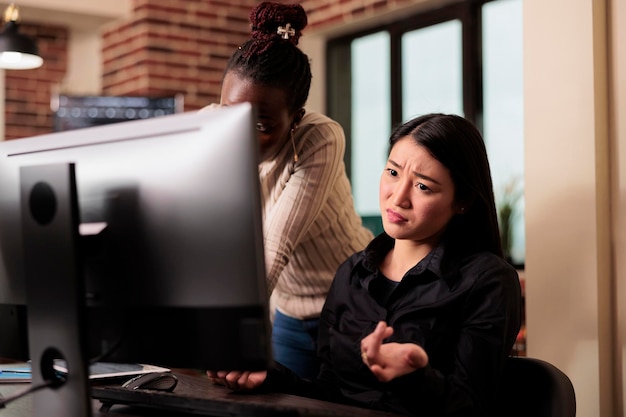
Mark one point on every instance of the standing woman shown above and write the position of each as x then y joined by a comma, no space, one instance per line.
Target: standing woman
310,224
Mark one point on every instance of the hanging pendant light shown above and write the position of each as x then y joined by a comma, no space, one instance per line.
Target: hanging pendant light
17,51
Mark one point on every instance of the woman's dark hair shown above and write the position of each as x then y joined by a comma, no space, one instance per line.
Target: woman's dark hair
271,56
459,146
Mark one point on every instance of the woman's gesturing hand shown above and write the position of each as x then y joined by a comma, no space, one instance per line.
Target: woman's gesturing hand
390,360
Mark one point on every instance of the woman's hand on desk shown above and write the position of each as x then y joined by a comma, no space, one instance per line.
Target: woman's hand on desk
390,360
238,380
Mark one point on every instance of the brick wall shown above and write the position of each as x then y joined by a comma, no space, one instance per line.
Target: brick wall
168,47
326,13
28,92
165,48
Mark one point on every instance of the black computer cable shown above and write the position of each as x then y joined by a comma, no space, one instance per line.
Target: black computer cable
51,378
57,381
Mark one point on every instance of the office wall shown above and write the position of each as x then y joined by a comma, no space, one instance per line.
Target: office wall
573,189
617,132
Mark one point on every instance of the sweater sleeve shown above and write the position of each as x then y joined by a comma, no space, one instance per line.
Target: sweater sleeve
321,149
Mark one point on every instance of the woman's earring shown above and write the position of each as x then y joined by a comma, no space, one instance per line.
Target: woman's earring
293,143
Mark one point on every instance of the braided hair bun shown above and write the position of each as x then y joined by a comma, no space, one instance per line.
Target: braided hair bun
271,55
275,22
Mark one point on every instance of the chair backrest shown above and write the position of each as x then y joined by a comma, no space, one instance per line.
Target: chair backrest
535,388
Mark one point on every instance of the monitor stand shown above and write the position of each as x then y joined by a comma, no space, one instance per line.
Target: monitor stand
54,288
14,340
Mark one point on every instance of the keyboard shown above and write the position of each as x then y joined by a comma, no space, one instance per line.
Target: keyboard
196,395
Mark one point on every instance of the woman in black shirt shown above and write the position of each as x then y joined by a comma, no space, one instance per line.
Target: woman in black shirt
421,322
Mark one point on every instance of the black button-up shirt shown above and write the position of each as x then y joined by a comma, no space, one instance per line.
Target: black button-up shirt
465,312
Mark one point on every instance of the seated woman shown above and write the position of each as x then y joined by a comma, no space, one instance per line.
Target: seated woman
420,322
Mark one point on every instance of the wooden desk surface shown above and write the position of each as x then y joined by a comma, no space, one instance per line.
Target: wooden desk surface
195,387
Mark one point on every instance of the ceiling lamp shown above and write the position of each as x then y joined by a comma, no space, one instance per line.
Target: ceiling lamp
16,51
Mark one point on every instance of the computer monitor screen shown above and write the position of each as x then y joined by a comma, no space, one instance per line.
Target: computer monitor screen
171,237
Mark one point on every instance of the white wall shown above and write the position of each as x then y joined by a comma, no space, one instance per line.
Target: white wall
617,95
84,67
74,13
570,257
315,48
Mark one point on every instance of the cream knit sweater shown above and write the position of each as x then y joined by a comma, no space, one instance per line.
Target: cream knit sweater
310,225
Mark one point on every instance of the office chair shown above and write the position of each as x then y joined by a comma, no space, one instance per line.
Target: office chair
535,388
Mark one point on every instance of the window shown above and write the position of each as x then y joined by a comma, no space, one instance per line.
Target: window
370,117
432,70
465,59
503,109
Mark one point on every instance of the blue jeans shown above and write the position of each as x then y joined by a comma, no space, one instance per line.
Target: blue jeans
294,344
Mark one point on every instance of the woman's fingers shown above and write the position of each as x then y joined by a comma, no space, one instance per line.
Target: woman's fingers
237,380
382,374
212,375
370,345
255,379
396,359
232,379
418,358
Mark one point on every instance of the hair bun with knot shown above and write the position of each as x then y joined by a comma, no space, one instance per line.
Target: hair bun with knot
273,21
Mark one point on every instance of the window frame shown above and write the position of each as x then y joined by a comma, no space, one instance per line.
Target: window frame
338,69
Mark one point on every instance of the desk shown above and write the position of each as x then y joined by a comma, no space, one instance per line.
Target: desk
197,387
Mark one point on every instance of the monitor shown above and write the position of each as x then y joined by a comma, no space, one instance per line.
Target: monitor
169,246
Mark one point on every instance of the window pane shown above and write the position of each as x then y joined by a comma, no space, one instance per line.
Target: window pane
432,70
503,122
371,119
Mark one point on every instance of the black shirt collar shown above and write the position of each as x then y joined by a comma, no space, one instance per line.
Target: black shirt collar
375,252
